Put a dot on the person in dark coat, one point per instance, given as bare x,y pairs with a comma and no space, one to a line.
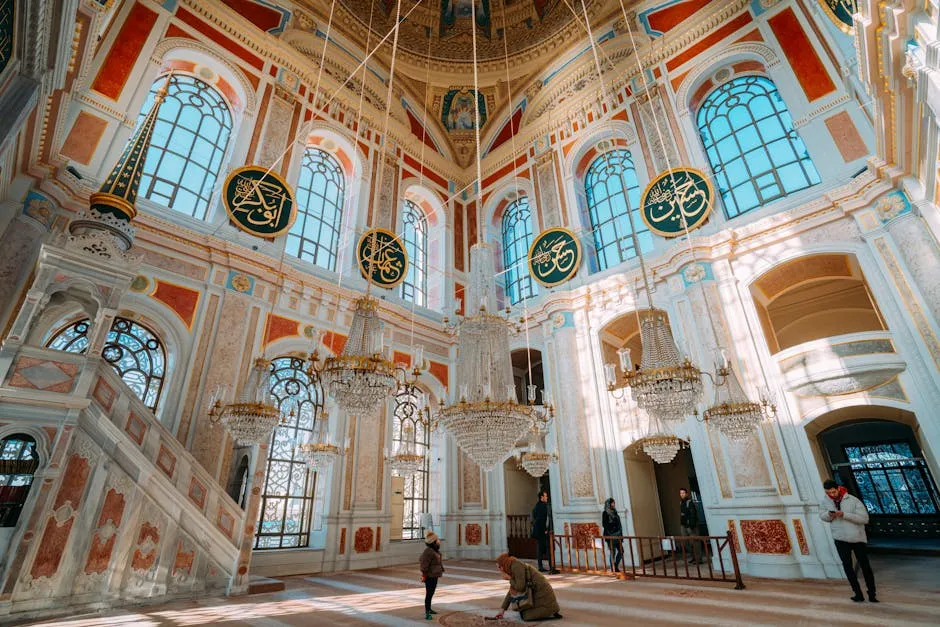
432,568
542,529
610,521
688,522
520,576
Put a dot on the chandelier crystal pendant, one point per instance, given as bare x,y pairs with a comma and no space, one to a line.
406,461
659,442
360,377
665,385
254,415
733,413
321,453
535,460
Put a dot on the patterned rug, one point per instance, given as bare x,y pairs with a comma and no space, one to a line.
466,619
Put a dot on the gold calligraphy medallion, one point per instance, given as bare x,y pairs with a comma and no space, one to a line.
554,256
259,202
383,260
677,200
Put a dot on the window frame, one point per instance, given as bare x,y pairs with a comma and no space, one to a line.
301,242
750,146
414,221
155,185
518,282
622,244
407,410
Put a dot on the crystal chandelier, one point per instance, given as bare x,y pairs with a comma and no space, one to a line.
320,454
659,443
665,385
733,413
406,461
410,409
535,460
360,377
486,419
254,415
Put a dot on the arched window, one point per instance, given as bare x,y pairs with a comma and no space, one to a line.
18,463
287,496
320,193
517,238
411,425
754,151
414,225
188,145
133,350
612,190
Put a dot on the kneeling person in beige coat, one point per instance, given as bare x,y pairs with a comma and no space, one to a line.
520,576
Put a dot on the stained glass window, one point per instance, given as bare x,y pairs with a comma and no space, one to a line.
411,423
517,238
188,145
890,480
287,495
415,237
321,190
755,153
613,196
133,350
18,463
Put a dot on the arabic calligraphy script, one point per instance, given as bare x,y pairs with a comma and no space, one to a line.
677,200
259,202
382,258
554,256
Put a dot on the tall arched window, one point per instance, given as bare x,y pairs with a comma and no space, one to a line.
18,464
410,425
414,225
320,193
287,496
517,238
754,151
188,145
133,350
612,190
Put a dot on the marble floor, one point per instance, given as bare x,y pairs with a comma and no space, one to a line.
908,586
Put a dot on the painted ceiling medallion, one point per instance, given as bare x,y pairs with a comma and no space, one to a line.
258,201
677,200
554,256
383,260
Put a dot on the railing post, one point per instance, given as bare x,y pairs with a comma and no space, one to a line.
738,582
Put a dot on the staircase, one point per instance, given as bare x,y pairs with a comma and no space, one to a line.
119,512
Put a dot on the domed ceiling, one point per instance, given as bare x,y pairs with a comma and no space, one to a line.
441,29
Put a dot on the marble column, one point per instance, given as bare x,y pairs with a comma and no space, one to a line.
19,249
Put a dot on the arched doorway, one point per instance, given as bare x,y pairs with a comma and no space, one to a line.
18,463
875,453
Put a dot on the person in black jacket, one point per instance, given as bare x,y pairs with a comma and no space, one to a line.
541,529
688,521
610,521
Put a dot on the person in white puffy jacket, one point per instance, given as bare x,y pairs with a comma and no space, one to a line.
848,517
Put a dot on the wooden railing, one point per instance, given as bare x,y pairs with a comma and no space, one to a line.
518,526
713,557
519,542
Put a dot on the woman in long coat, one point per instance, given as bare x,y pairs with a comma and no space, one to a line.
517,572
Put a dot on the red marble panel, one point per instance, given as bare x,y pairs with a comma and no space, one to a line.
264,17
473,534
799,51
460,293
342,540
735,541
800,536
439,371
43,374
672,14
148,540
182,300
404,359
334,341
197,492
704,44
766,536
122,56
378,539
278,327
184,560
51,548
225,522
472,225
508,131
102,542
166,461
363,540
221,39
74,478
135,428
458,237
59,523
846,136
584,534
83,139
103,394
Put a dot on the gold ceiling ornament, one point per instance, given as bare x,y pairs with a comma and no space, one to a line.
252,417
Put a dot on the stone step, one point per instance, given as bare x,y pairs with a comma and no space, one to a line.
262,585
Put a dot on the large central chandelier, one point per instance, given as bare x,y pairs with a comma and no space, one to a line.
360,377
665,385
253,416
486,418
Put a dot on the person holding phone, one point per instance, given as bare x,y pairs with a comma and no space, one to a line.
848,516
